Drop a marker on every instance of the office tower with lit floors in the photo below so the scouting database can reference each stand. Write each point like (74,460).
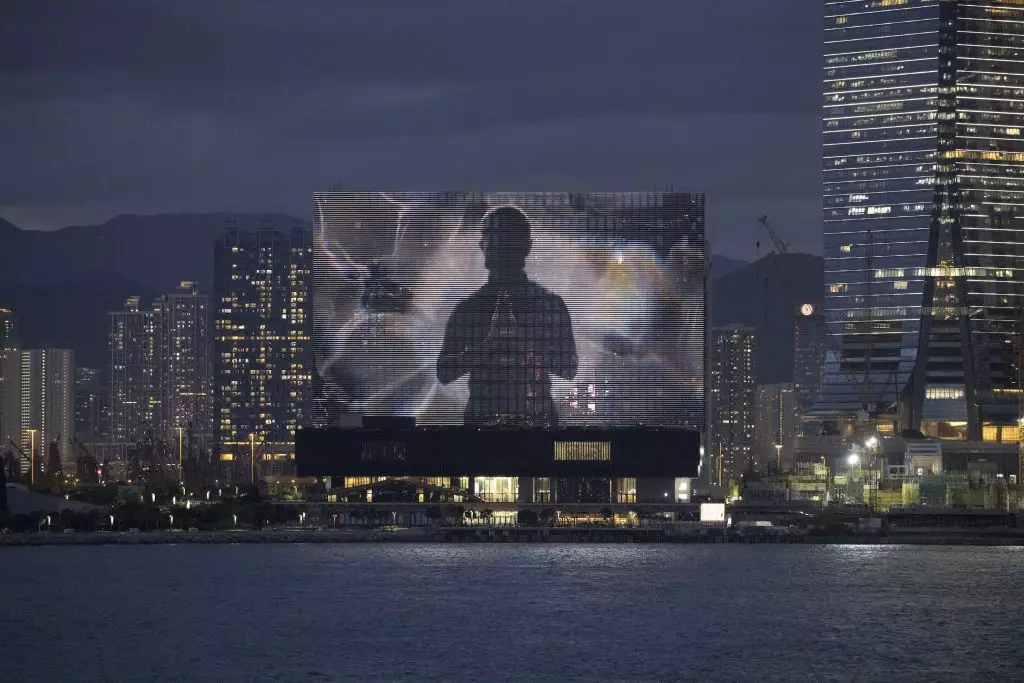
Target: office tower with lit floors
(263,357)
(733,402)
(923,161)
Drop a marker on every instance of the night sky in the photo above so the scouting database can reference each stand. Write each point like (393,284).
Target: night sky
(157,106)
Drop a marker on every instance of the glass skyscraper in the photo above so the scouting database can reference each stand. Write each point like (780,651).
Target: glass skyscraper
(923,166)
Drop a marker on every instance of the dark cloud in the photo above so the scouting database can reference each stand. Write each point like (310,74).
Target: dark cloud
(150,105)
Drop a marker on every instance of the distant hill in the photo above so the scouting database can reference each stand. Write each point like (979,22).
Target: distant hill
(156,251)
(71,313)
(723,265)
(7,229)
(767,295)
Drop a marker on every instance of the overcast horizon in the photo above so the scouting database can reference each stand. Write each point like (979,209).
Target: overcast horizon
(152,107)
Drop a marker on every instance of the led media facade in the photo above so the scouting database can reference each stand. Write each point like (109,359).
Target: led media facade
(538,310)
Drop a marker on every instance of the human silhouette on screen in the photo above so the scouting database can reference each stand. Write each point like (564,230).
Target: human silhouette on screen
(510,336)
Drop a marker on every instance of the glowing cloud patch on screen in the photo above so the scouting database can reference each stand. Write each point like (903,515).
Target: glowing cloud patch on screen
(530,309)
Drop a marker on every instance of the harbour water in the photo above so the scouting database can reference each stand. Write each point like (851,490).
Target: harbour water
(433,612)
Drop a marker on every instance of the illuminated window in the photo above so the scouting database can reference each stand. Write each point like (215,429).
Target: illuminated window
(583,450)
(944,393)
(1011,434)
(625,490)
(990,433)
(497,489)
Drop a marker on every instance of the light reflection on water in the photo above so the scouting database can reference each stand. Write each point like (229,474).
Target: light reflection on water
(511,612)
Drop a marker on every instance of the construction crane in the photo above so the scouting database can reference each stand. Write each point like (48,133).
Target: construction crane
(780,246)
(21,453)
(87,463)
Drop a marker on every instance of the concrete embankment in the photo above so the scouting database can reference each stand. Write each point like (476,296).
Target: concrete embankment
(501,535)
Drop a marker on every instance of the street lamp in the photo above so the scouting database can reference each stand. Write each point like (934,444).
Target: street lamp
(871,442)
(252,459)
(778,457)
(853,460)
(181,472)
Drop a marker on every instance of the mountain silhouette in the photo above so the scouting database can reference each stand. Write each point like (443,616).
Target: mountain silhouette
(71,313)
(157,251)
(723,265)
(62,284)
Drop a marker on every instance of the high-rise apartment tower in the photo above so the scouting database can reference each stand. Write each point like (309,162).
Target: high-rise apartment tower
(134,373)
(186,383)
(733,402)
(263,355)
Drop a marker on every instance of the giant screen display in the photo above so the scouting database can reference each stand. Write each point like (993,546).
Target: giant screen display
(520,309)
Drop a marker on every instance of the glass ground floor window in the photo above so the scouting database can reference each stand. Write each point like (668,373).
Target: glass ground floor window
(625,490)
(956,431)
(541,490)
(497,489)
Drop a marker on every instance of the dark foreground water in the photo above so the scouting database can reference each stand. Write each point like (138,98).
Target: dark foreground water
(511,612)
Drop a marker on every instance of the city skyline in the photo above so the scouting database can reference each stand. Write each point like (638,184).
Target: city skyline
(919,268)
